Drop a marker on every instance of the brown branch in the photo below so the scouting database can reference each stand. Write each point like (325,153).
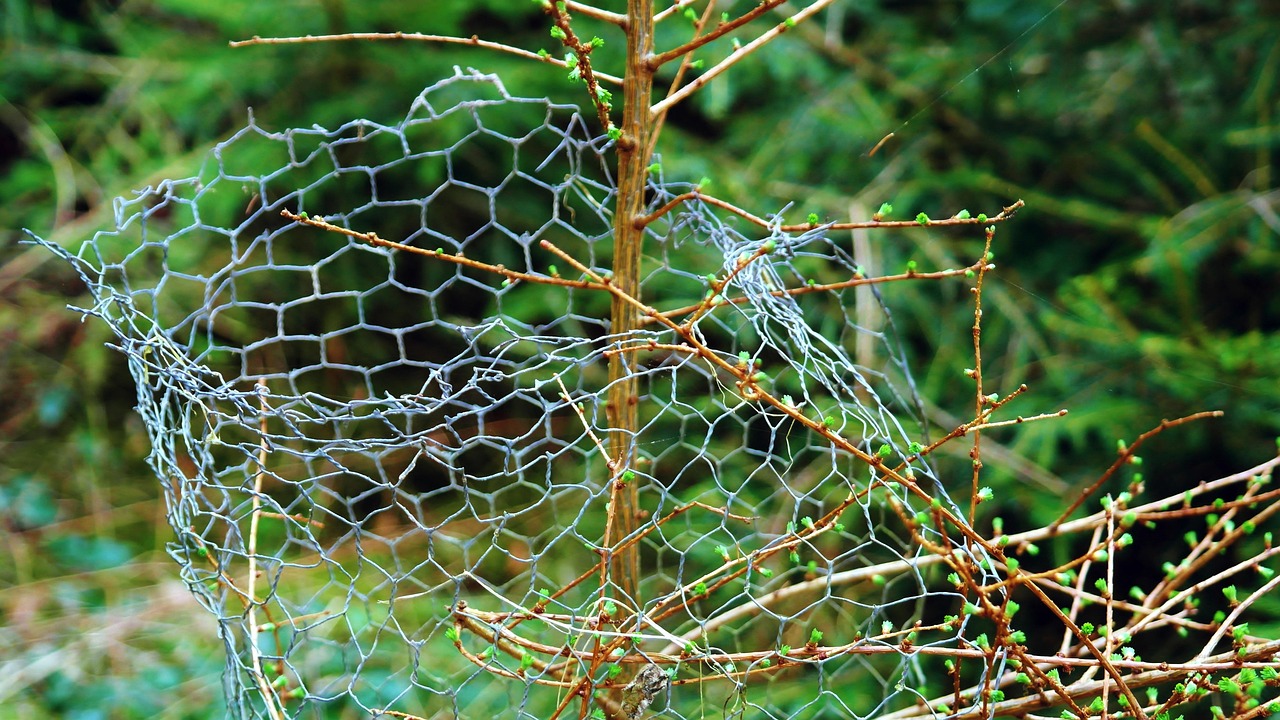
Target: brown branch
(1019,420)
(456,259)
(676,7)
(737,55)
(749,389)
(596,13)
(720,31)
(1125,455)
(1003,215)
(581,61)
(658,119)
(856,281)
(417,37)
(980,399)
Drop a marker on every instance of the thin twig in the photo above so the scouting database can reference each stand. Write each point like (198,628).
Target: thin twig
(456,259)
(720,31)
(738,55)
(657,120)
(1126,454)
(856,281)
(1019,420)
(594,12)
(676,7)
(1003,215)
(581,62)
(269,697)
(473,41)
(980,398)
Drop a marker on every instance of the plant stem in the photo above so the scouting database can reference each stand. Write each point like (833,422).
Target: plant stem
(633,161)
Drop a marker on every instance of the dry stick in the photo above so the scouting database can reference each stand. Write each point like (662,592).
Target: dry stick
(419,37)
(847,577)
(1128,453)
(586,426)
(880,144)
(268,695)
(737,55)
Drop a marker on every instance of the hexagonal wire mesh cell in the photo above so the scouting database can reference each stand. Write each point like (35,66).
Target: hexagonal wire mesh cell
(384,467)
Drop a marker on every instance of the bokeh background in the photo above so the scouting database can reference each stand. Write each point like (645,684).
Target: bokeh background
(1142,281)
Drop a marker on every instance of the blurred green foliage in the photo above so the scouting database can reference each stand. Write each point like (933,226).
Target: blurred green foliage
(1139,283)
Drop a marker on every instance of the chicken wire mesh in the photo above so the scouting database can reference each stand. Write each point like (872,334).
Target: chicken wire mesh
(385,469)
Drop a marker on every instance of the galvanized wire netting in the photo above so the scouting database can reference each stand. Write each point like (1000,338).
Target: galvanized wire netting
(385,474)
